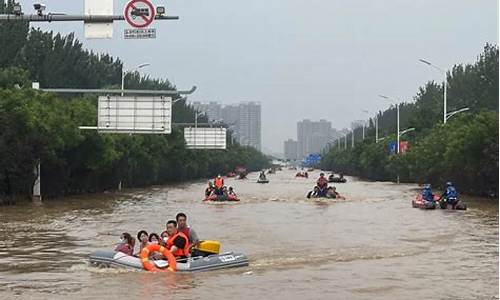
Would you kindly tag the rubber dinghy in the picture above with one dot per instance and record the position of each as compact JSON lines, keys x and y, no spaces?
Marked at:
{"x":103,"y":258}
{"x":262,"y":180}
{"x":311,"y":195}
{"x":419,"y":202}
{"x":337,"y":179}
{"x":222,"y":198}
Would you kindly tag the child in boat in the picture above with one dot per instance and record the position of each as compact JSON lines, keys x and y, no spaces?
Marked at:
{"x":126,"y":244}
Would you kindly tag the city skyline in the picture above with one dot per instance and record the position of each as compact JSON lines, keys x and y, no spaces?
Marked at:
{"x":243,"y":118}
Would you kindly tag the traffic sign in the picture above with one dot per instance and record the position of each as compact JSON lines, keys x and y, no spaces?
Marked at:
{"x":140,"y":33}
{"x":139,"y":13}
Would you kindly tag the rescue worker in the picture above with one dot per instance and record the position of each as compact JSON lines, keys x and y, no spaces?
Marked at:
{"x":427,"y":193}
{"x":322,"y":184}
{"x":177,"y":243}
{"x":218,"y":185}
{"x":450,"y":194}
{"x":187,"y":230}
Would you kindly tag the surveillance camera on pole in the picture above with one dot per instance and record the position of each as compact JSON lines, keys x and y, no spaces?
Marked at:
{"x":39,"y":7}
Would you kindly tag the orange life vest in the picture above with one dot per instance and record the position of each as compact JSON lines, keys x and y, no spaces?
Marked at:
{"x":186,"y":231}
{"x":219,"y":182}
{"x":178,"y":252}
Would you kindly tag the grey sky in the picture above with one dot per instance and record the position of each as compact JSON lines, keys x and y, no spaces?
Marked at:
{"x":301,"y":59}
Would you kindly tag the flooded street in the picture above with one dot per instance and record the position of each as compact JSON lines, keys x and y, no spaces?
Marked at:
{"x":374,"y":245}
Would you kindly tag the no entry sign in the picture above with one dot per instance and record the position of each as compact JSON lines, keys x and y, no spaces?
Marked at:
{"x":139,"y":13}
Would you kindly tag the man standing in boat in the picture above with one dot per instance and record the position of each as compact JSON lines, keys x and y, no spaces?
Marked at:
{"x":219,"y":184}
{"x":187,"y":230}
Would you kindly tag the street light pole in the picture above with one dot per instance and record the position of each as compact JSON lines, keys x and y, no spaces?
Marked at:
{"x":445,"y":86}
{"x":456,"y":112}
{"x":376,"y":128}
{"x":397,"y":106}
{"x":128,"y":71}
{"x":366,"y":112}
{"x":345,"y":141}
{"x":352,"y":138}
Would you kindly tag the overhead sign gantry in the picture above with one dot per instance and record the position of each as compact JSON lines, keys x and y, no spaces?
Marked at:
{"x":98,"y":17}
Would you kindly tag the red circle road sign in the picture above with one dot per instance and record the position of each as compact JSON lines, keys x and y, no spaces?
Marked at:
{"x":139,"y":13}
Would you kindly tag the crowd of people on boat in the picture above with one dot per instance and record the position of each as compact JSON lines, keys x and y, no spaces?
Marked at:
{"x":218,"y":188}
{"x":177,"y":237}
{"x":322,"y":190}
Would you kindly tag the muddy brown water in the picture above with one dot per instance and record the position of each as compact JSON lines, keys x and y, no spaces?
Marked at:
{"x":374,"y":245}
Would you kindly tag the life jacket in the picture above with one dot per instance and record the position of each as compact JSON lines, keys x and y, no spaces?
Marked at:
{"x":178,"y":252}
{"x":427,"y":195}
{"x":186,"y":230}
{"x":451,"y":192}
{"x":219,"y":183}
{"x":322,"y":181}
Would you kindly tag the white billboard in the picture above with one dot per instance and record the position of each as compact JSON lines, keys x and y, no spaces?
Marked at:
{"x":134,"y":114}
{"x":205,"y":138}
{"x":99,"y":30}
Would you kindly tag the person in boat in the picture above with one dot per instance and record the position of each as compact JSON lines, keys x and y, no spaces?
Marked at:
{"x":427,"y":194}
{"x":154,"y":239}
{"x":186,"y":230}
{"x":209,"y":190}
{"x":450,"y":194}
{"x":322,"y":184}
{"x":331,"y":177}
{"x":218,"y":185}
{"x":306,"y":175}
{"x":163,"y":238}
{"x":142,"y":237}
{"x":231,"y":192}
{"x":177,"y":243}
{"x":126,"y":245}
{"x":262,"y":176}
{"x":331,"y":192}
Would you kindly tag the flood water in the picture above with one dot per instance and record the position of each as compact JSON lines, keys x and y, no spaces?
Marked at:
{"x":373,"y":245}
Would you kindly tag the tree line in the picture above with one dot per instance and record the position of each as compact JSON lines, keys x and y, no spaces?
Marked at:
{"x":42,"y":127}
{"x":464,"y":150}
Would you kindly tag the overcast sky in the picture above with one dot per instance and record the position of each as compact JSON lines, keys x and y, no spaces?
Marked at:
{"x":301,"y":59}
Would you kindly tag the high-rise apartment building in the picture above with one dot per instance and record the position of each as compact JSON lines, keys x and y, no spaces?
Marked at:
{"x":243,"y":119}
{"x":291,"y":148}
{"x":312,"y":137}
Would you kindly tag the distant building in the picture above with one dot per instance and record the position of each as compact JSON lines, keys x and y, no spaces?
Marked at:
{"x":213,"y":110}
{"x":357,"y":124}
{"x":290,"y":149}
{"x":313,"y":136}
{"x":249,"y":125}
{"x":243,"y":119}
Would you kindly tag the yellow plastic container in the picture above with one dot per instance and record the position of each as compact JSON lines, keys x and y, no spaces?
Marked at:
{"x":209,"y":247}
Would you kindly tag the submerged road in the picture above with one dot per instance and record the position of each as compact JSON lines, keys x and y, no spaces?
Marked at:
{"x":374,"y":245}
